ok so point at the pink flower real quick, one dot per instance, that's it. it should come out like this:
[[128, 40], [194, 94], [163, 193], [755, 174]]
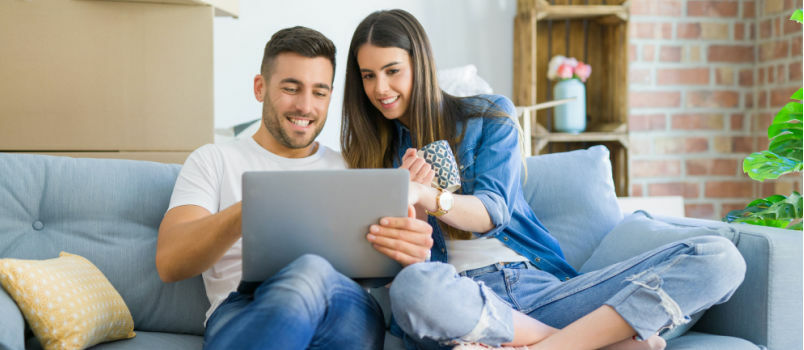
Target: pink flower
[[564, 71], [582, 71]]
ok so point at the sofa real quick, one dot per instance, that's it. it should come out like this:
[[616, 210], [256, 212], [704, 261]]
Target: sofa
[[109, 211]]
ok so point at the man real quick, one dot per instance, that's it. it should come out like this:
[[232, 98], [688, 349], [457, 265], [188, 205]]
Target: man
[[308, 304]]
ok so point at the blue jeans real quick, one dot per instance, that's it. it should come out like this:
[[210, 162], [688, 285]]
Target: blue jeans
[[307, 305], [653, 291]]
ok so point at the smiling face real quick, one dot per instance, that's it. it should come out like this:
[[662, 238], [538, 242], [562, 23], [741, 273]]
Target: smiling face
[[387, 79], [295, 100]]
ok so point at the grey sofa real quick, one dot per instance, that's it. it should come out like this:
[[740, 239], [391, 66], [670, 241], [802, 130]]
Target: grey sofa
[[109, 211]]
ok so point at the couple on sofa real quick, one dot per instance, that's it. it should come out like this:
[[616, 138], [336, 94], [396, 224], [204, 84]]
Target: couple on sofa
[[513, 286]]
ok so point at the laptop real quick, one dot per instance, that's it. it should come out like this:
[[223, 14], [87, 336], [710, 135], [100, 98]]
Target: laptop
[[325, 212]]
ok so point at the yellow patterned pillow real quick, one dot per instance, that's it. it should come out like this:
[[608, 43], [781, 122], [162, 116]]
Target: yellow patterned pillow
[[67, 301]]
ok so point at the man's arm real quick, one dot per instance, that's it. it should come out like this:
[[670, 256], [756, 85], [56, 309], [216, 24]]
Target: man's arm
[[191, 240]]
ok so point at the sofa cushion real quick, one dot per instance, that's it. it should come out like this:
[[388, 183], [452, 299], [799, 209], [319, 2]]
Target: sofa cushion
[[12, 326], [145, 340], [572, 193], [640, 232], [108, 211], [705, 341], [67, 301]]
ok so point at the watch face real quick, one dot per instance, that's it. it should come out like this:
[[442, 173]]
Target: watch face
[[445, 200]]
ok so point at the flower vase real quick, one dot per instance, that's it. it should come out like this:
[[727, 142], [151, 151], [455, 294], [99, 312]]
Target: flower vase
[[570, 117]]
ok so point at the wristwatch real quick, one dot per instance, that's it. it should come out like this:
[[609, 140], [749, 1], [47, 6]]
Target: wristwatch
[[444, 201]]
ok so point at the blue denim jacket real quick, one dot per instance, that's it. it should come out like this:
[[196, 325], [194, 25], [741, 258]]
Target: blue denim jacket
[[490, 164]]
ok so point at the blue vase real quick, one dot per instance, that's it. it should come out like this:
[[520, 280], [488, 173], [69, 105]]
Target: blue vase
[[570, 117]]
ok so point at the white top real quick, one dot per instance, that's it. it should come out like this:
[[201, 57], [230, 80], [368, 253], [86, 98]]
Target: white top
[[212, 178], [475, 253]]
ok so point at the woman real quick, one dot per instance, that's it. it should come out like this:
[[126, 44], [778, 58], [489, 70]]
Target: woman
[[505, 279]]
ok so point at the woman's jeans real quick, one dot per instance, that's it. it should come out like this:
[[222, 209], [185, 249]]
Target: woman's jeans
[[653, 291], [307, 305]]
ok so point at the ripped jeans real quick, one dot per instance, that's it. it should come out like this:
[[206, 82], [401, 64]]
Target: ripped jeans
[[658, 289]]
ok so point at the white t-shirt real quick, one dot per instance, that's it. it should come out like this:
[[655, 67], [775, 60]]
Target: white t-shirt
[[212, 179]]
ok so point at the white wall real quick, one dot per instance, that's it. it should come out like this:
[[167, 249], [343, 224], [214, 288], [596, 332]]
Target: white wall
[[461, 32]]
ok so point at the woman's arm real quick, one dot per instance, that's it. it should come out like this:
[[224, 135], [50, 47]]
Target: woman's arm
[[468, 213]]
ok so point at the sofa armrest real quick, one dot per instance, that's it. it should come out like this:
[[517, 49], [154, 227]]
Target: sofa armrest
[[767, 308], [12, 325]]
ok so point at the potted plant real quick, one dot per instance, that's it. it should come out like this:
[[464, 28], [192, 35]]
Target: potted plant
[[570, 75], [783, 156]]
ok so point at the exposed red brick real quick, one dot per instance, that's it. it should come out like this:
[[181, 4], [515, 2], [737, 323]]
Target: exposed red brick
[[714, 99], [667, 30], [670, 54], [648, 53], [700, 211], [645, 122], [771, 74], [639, 76], [746, 77], [697, 122], [685, 189], [656, 8], [696, 145], [645, 30], [724, 76], [761, 143], [640, 145], [655, 168], [632, 53], [761, 76], [763, 121], [781, 73], [727, 189], [749, 9], [737, 122], [636, 190], [739, 31], [668, 145], [642, 99], [731, 53], [688, 30], [727, 207], [708, 8], [791, 27], [765, 29], [762, 101], [795, 46], [749, 99], [794, 70], [713, 166], [773, 50], [682, 76], [781, 96]]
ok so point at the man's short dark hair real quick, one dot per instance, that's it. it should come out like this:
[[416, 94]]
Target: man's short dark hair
[[301, 40]]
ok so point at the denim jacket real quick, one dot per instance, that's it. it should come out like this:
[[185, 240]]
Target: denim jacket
[[490, 165]]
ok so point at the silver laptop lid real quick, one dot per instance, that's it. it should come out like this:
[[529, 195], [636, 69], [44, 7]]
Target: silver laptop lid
[[325, 212]]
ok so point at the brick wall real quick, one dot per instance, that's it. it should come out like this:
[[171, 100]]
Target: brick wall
[[706, 79]]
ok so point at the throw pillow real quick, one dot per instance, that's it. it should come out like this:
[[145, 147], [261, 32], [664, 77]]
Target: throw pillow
[[67, 301], [572, 194], [638, 233]]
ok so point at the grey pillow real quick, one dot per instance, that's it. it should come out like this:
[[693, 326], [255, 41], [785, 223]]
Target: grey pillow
[[572, 194], [638, 233]]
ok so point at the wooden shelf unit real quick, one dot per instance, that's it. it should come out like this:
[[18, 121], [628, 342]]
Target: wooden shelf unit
[[595, 32]]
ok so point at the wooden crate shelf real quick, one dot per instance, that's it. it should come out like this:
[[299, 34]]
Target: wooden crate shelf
[[595, 33]]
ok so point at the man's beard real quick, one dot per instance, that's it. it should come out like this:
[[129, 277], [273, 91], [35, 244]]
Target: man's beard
[[272, 122]]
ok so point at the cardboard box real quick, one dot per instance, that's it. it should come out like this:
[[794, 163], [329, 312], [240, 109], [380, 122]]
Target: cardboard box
[[105, 76]]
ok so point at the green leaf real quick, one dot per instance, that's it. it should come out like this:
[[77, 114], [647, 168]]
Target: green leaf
[[798, 95], [788, 146], [797, 16], [775, 211], [776, 129], [766, 165]]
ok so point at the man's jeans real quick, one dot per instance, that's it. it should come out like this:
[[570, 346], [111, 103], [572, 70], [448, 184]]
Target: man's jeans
[[307, 305], [652, 291]]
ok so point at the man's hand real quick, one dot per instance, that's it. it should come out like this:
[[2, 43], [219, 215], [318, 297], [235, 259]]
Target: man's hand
[[406, 240], [420, 170]]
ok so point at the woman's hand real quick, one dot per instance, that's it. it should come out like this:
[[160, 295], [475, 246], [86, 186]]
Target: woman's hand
[[420, 170], [406, 240]]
